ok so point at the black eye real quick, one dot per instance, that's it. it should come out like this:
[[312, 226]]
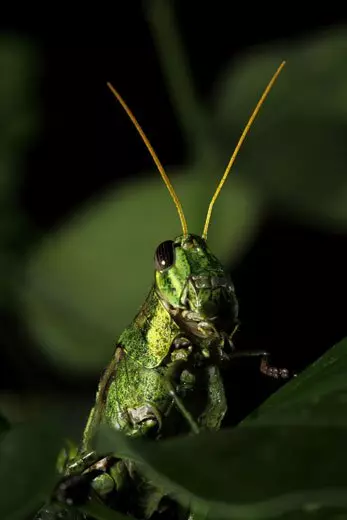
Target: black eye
[[165, 255]]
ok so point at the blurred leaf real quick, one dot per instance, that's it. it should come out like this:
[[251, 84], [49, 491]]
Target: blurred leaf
[[295, 153], [191, 114], [28, 454], [88, 280], [22, 407], [4, 425], [290, 462], [18, 116], [100, 512], [18, 125]]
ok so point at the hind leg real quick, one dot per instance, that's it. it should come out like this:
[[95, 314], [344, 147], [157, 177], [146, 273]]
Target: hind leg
[[265, 367]]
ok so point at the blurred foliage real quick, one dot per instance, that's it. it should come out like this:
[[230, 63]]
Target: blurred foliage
[[4, 425], [28, 453], [288, 457], [18, 129], [295, 153]]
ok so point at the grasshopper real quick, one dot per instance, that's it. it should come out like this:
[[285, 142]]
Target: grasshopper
[[164, 378]]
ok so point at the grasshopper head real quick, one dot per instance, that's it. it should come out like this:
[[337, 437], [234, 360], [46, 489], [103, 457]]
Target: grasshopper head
[[194, 287]]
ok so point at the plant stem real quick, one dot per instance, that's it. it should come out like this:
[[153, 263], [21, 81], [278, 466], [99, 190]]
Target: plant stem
[[190, 112]]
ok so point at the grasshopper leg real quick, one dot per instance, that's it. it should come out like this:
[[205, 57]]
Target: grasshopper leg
[[145, 419], [217, 403], [275, 372], [265, 367]]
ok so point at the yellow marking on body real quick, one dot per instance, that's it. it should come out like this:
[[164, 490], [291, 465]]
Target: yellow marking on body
[[161, 333]]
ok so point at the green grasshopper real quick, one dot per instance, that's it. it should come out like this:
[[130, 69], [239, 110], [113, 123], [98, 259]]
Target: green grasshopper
[[164, 377]]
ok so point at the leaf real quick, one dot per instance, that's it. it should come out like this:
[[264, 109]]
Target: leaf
[[87, 281], [295, 152], [4, 425], [98, 511], [28, 454], [317, 396], [18, 69], [288, 459]]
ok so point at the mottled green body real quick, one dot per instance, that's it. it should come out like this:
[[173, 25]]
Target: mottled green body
[[164, 377], [172, 343]]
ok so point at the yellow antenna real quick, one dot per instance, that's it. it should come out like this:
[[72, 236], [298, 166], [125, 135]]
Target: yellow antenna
[[238, 146], [154, 157]]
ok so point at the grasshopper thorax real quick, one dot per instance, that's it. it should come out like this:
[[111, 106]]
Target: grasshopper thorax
[[194, 287]]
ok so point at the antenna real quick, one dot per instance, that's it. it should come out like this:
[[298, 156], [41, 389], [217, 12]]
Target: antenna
[[154, 157], [238, 146]]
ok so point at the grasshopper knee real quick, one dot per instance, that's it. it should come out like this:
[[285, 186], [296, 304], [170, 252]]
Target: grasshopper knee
[[103, 484], [181, 349], [145, 419]]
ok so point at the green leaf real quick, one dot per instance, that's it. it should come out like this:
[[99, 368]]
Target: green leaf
[[295, 152], [28, 454], [288, 459], [100, 512], [18, 125], [192, 116], [87, 281], [4, 425], [18, 116]]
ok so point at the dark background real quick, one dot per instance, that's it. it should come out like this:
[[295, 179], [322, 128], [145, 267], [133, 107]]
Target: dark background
[[291, 281]]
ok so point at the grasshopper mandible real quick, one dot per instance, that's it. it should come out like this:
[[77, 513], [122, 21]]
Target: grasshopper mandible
[[164, 377]]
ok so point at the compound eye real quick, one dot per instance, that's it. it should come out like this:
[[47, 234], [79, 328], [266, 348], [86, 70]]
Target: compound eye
[[165, 255]]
